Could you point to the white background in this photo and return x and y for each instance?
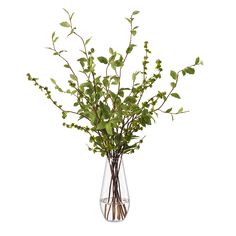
(181, 182)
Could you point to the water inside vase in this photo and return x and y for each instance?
(114, 210)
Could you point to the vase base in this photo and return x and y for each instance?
(114, 210)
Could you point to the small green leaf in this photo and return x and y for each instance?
(168, 110)
(53, 81)
(105, 110)
(76, 104)
(130, 99)
(161, 95)
(59, 89)
(65, 24)
(197, 60)
(73, 77)
(180, 110)
(173, 85)
(87, 41)
(66, 11)
(82, 61)
(86, 85)
(105, 82)
(118, 63)
(102, 60)
(101, 125)
(66, 66)
(133, 32)
(173, 74)
(129, 20)
(130, 48)
(111, 51)
(121, 93)
(64, 114)
(53, 35)
(108, 128)
(55, 39)
(134, 75)
(175, 95)
(115, 80)
(135, 12)
(189, 70)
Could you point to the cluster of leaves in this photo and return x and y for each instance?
(115, 114)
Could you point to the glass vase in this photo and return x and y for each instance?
(114, 199)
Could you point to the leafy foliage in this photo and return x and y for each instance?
(114, 114)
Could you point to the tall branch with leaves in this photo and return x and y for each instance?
(114, 114)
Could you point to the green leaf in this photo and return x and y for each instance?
(64, 114)
(134, 75)
(168, 110)
(146, 118)
(105, 82)
(129, 20)
(121, 93)
(183, 72)
(135, 12)
(117, 63)
(101, 125)
(53, 35)
(197, 60)
(105, 110)
(59, 89)
(111, 51)
(130, 99)
(53, 81)
(92, 117)
(89, 92)
(87, 41)
(65, 24)
(173, 85)
(175, 95)
(66, 66)
(180, 110)
(115, 80)
(73, 77)
(133, 32)
(66, 11)
(108, 128)
(55, 39)
(102, 60)
(130, 48)
(189, 70)
(173, 74)
(161, 95)
(86, 84)
(82, 61)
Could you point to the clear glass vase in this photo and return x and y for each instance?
(114, 199)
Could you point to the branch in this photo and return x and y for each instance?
(183, 71)
(48, 94)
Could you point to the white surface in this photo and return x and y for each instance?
(181, 182)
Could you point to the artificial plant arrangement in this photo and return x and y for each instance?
(112, 115)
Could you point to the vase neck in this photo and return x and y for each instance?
(114, 155)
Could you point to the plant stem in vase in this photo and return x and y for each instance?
(114, 199)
